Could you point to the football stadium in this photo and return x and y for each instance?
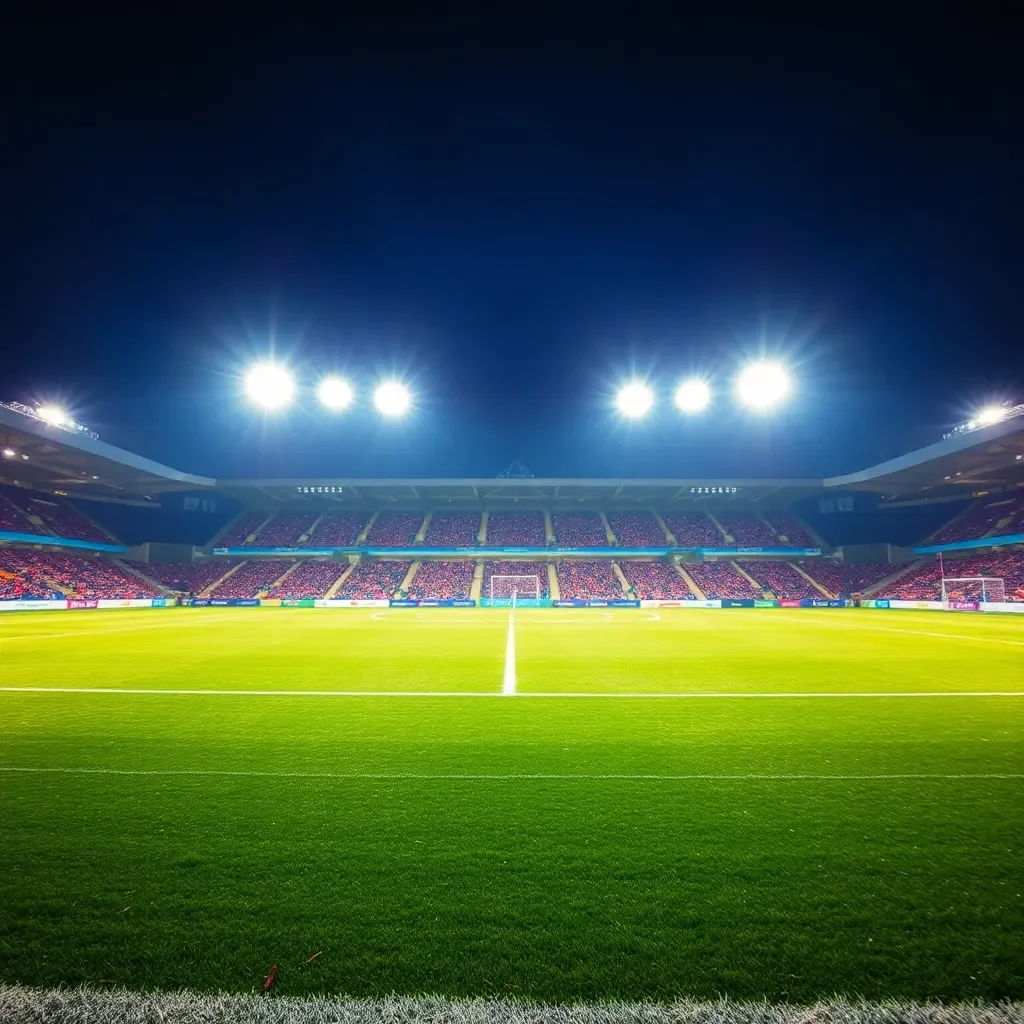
(606, 744)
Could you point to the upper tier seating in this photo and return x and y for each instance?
(252, 579)
(452, 530)
(579, 530)
(61, 518)
(285, 529)
(516, 530)
(694, 530)
(588, 581)
(656, 581)
(984, 517)
(637, 530)
(720, 579)
(311, 578)
(442, 581)
(394, 530)
(785, 524)
(374, 581)
(781, 579)
(504, 587)
(237, 535)
(338, 530)
(747, 530)
(13, 519)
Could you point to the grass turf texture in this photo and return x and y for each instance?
(367, 832)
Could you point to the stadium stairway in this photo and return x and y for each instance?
(38, 523)
(970, 507)
(477, 586)
(338, 583)
(207, 591)
(1001, 525)
(893, 577)
(690, 582)
(669, 535)
(421, 533)
(617, 569)
(92, 522)
(280, 579)
(312, 529)
(760, 588)
(226, 528)
(813, 582)
(361, 539)
(140, 575)
(481, 534)
(553, 587)
(403, 587)
(768, 526)
(729, 539)
(259, 529)
(608, 532)
(549, 529)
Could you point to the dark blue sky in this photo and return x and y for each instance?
(514, 216)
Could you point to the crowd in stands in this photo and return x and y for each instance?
(983, 518)
(655, 581)
(637, 530)
(239, 533)
(373, 581)
(781, 579)
(61, 519)
(516, 530)
(251, 579)
(13, 519)
(579, 530)
(721, 579)
(188, 579)
(694, 530)
(310, 578)
(785, 524)
(590, 580)
(442, 581)
(453, 530)
(525, 587)
(858, 578)
(394, 530)
(338, 529)
(44, 574)
(924, 583)
(747, 530)
(285, 529)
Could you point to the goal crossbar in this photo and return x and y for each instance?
(982, 588)
(514, 588)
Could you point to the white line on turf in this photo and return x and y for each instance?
(618, 695)
(508, 687)
(511, 776)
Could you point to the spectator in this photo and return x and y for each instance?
(516, 530)
(442, 581)
(579, 530)
(637, 530)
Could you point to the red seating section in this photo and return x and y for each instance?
(394, 530)
(656, 581)
(923, 584)
(781, 579)
(452, 530)
(503, 568)
(61, 518)
(13, 519)
(983, 517)
(590, 581)
(47, 573)
(720, 579)
(187, 579)
(236, 536)
(374, 581)
(579, 530)
(252, 579)
(442, 581)
(338, 530)
(747, 530)
(516, 530)
(785, 524)
(637, 530)
(285, 529)
(694, 530)
(311, 578)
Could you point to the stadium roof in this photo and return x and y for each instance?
(987, 458)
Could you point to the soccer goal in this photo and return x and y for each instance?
(513, 589)
(959, 592)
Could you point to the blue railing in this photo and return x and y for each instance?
(64, 542)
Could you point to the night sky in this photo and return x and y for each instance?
(514, 217)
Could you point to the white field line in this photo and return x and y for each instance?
(890, 629)
(508, 687)
(180, 623)
(689, 695)
(523, 776)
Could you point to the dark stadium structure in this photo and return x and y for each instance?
(84, 520)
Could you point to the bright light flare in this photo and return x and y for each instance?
(763, 385)
(989, 415)
(9, 453)
(54, 415)
(693, 396)
(335, 393)
(634, 400)
(392, 398)
(269, 385)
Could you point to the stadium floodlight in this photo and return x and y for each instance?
(989, 415)
(9, 453)
(392, 398)
(763, 385)
(693, 396)
(269, 385)
(335, 393)
(54, 415)
(634, 400)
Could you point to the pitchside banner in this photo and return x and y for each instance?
(429, 603)
(224, 602)
(579, 603)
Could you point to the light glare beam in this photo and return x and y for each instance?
(763, 385)
(269, 386)
(334, 393)
(392, 398)
(634, 400)
(693, 396)
(53, 414)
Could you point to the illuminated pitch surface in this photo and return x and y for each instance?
(555, 848)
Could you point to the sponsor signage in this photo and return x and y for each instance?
(224, 602)
(730, 602)
(297, 602)
(964, 606)
(790, 604)
(1003, 606)
(342, 602)
(765, 604)
(403, 603)
(30, 605)
(75, 602)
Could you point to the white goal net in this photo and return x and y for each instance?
(513, 589)
(959, 592)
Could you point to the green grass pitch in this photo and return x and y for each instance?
(598, 844)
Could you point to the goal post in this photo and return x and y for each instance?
(960, 592)
(513, 589)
